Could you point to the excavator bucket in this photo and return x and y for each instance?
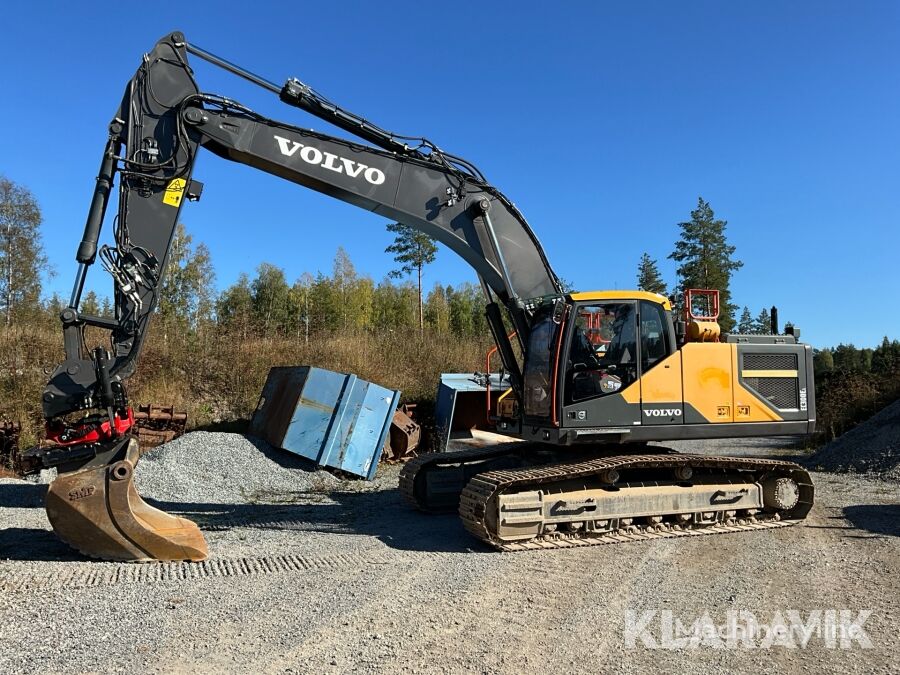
(98, 511)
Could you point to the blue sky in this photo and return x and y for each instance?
(604, 122)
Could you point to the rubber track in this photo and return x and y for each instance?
(99, 574)
(482, 488)
(411, 470)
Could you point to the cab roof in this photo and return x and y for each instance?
(591, 296)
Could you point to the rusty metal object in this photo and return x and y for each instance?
(404, 435)
(98, 511)
(158, 424)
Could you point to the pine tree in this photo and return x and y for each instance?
(22, 259)
(413, 250)
(649, 278)
(745, 324)
(706, 259)
(762, 325)
(90, 304)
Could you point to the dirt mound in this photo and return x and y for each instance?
(873, 447)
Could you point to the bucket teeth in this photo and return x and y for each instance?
(98, 511)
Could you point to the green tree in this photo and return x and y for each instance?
(706, 259)
(394, 306)
(466, 305)
(354, 294)
(326, 309)
(413, 250)
(823, 362)
(301, 296)
(90, 304)
(22, 259)
(649, 278)
(762, 324)
(437, 309)
(848, 358)
(886, 358)
(186, 292)
(271, 299)
(343, 277)
(234, 309)
(745, 323)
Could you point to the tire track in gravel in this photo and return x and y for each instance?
(106, 574)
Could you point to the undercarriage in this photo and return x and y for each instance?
(518, 499)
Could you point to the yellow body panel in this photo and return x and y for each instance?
(662, 383)
(709, 380)
(712, 387)
(632, 393)
(599, 296)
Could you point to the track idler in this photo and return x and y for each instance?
(97, 510)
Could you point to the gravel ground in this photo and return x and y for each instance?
(872, 447)
(311, 574)
(171, 472)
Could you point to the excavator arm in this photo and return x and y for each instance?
(154, 139)
(153, 142)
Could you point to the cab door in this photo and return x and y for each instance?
(662, 398)
(601, 380)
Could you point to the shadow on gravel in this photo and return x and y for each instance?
(22, 495)
(875, 518)
(381, 514)
(27, 543)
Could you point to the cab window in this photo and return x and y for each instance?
(603, 353)
(654, 335)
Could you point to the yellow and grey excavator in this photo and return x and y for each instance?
(594, 376)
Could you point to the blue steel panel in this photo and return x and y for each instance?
(312, 417)
(371, 426)
(338, 420)
(342, 423)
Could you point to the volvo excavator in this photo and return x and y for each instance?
(588, 407)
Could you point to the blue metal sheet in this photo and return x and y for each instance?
(337, 420)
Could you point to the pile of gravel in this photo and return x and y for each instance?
(221, 468)
(873, 447)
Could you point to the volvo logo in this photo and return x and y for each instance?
(330, 161)
(663, 412)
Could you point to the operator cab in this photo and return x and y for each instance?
(615, 338)
(605, 343)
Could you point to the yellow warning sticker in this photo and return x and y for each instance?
(174, 192)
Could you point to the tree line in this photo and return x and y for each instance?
(269, 305)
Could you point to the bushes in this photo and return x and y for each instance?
(217, 376)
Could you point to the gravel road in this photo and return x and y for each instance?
(317, 575)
